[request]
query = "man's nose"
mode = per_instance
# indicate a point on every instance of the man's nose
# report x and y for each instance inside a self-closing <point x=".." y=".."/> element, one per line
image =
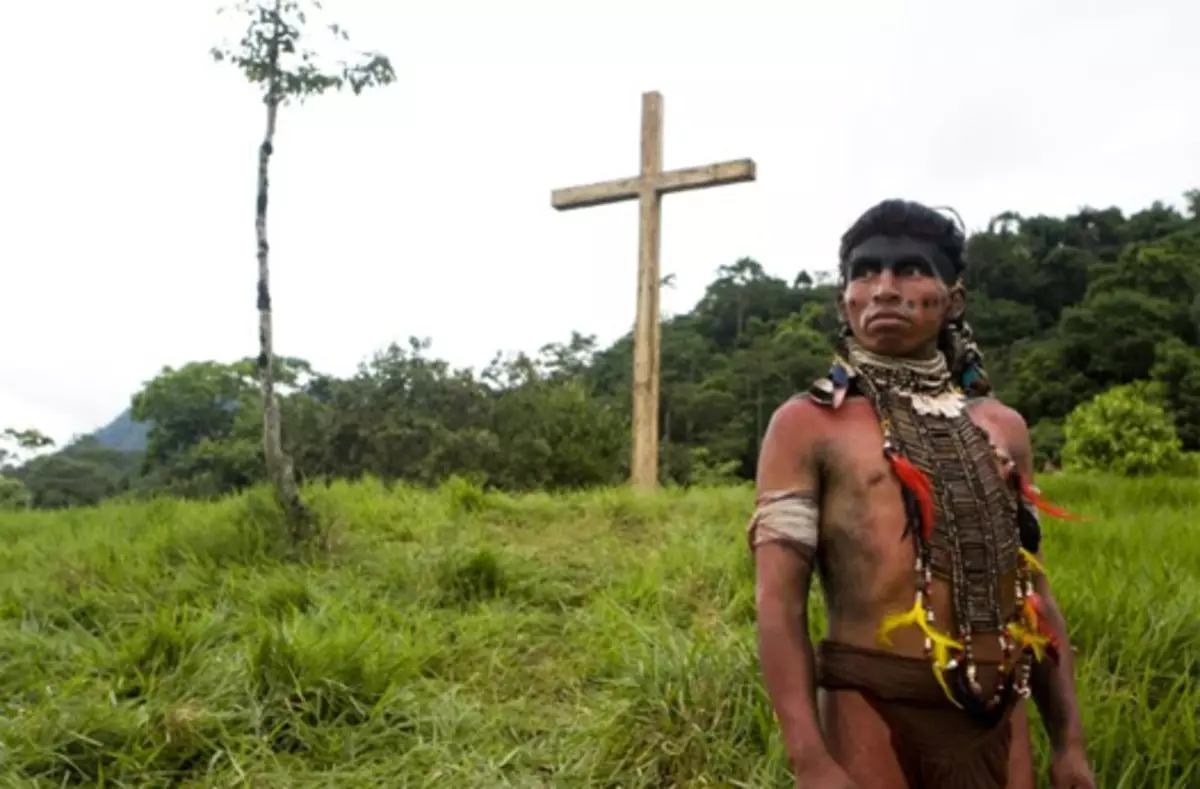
<point x="886" y="291"/>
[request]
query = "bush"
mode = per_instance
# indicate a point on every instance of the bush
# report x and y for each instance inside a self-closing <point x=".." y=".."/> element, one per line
<point x="1126" y="431"/>
<point x="13" y="494"/>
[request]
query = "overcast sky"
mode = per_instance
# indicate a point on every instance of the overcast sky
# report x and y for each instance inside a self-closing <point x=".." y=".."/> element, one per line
<point x="127" y="165"/>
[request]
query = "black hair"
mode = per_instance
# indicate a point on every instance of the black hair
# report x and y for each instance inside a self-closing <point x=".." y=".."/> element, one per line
<point x="915" y="220"/>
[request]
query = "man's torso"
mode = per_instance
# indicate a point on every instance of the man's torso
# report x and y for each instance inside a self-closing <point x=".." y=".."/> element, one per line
<point x="866" y="566"/>
<point x="864" y="560"/>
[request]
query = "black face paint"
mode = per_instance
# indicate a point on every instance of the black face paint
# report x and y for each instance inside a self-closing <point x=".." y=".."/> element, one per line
<point x="902" y="255"/>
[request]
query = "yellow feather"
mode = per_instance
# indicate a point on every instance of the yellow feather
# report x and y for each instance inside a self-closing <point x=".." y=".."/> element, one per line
<point x="942" y="643"/>
<point x="1029" y="639"/>
<point x="941" y="640"/>
<point x="1031" y="561"/>
<point x="1031" y="617"/>
<point x="941" y="662"/>
<point x="913" y="616"/>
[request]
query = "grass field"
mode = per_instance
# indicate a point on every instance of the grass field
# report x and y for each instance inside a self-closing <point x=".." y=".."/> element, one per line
<point x="456" y="639"/>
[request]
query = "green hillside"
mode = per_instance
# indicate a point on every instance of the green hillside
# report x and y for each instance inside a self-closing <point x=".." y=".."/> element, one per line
<point x="454" y="638"/>
<point x="123" y="433"/>
<point x="1064" y="307"/>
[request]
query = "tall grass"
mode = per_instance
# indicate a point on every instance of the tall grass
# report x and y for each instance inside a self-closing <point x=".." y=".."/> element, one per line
<point x="460" y="639"/>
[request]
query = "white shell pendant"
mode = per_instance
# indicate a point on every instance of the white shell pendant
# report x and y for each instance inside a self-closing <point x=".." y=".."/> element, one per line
<point x="946" y="404"/>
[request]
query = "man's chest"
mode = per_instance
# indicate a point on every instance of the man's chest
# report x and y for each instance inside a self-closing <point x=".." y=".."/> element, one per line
<point x="854" y="457"/>
<point x="966" y="460"/>
<point x="868" y="511"/>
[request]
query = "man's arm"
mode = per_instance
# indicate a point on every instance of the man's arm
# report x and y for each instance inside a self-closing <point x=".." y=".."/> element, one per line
<point x="783" y="536"/>
<point x="1053" y="685"/>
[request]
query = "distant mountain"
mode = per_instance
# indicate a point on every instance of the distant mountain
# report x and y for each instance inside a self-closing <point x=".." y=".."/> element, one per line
<point x="123" y="433"/>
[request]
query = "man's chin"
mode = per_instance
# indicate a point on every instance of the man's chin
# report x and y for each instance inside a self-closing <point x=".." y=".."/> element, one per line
<point x="888" y="344"/>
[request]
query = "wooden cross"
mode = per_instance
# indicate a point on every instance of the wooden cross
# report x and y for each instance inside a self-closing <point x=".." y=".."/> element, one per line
<point x="648" y="189"/>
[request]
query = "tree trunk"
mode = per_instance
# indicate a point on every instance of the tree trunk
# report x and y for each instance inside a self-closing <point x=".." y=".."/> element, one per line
<point x="280" y="469"/>
<point x="758" y="418"/>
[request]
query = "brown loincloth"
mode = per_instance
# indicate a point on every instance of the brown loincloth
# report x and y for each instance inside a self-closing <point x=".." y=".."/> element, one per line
<point x="938" y="745"/>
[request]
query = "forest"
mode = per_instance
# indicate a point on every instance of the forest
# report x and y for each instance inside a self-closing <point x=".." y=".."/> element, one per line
<point x="1065" y="308"/>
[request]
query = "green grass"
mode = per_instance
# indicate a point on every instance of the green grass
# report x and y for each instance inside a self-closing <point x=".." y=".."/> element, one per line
<point x="456" y="639"/>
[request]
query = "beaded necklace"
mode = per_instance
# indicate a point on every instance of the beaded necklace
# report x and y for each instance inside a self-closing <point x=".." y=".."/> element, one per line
<point x="972" y="525"/>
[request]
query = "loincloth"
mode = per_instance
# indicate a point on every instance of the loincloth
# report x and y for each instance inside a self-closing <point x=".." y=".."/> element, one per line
<point x="938" y="745"/>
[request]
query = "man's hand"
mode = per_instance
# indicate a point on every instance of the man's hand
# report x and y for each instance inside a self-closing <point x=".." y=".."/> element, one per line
<point x="1070" y="770"/>
<point x="824" y="773"/>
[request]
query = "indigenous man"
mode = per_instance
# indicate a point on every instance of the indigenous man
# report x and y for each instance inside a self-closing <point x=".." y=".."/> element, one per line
<point x="909" y="488"/>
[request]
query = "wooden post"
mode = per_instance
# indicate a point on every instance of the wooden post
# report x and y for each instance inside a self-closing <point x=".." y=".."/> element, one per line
<point x="648" y="188"/>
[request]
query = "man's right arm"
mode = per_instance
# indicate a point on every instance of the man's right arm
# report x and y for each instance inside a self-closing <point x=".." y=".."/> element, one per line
<point x="783" y="536"/>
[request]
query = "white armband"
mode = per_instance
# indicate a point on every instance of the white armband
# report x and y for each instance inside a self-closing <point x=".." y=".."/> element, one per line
<point x="790" y="517"/>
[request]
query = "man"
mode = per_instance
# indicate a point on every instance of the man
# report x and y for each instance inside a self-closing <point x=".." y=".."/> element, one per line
<point x="909" y="489"/>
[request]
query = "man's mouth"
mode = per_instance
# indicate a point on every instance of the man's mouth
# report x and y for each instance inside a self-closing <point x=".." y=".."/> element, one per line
<point x="887" y="317"/>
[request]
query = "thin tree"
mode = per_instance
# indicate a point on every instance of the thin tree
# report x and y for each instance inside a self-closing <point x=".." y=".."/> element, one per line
<point x="25" y="441"/>
<point x="273" y="55"/>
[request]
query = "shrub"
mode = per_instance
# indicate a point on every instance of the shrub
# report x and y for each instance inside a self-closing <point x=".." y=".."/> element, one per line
<point x="1126" y="431"/>
<point x="13" y="494"/>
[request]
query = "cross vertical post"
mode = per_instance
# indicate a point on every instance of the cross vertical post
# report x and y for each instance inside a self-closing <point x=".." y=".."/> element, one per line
<point x="647" y="353"/>
<point x="648" y="188"/>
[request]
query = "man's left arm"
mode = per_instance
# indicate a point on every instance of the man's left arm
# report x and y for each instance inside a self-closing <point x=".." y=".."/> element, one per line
<point x="1053" y="682"/>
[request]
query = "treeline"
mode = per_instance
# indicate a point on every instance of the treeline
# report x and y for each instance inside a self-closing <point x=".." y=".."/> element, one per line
<point x="1065" y="308"/>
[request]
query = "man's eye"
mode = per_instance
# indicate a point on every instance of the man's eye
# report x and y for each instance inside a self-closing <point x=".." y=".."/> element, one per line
<point x="864" y="268"/>
<point x="912" y="267"/>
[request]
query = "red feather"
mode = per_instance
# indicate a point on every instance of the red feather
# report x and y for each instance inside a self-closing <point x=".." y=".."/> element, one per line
<point x="1034" y="601"/>
<point x="915" y="480"/>
<point x="1035" y="498"/>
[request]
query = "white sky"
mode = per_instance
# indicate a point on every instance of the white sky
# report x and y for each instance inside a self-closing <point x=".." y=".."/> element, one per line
<point x="127" y="165"/>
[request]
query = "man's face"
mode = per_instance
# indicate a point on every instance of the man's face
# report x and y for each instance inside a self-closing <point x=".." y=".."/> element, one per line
<point x="894" y="301"/>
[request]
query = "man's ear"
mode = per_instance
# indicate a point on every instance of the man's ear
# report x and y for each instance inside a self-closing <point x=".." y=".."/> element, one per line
<point x="956" y="302"/>
<point x="841" y="307"/>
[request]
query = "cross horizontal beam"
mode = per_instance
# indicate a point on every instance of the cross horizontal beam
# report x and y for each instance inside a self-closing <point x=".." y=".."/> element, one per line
<point x="732" y="172"/>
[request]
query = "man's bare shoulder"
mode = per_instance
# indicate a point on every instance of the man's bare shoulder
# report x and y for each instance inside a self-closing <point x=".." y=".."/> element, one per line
<point x="1003" y="416"/>
<point x="806" y="424"/>
<point x="801" y="415"/>
<point x="792" y="443"/>
<point x="1008" y="429"/>
<point x="799" y="411"/>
